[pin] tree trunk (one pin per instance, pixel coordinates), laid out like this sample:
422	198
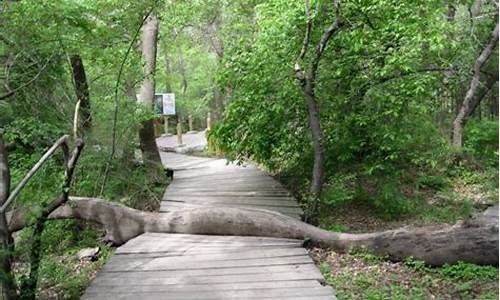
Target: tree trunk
467	104
318	172
8	288
218	104
147	93
474	240
307	82
182	71
82	91
190	123
168	74
483	92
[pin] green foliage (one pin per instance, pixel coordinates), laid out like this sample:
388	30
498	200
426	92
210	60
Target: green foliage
468	271
339	190
390	201
336	227
449	210
60	275
367	256
380	90
459	271
481	139
437	183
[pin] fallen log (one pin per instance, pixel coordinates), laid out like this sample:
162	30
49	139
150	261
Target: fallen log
474	240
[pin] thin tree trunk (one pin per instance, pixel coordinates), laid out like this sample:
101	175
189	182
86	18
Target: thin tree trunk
308	83
168	73
483	92
494	107
318	177
467	104
182	71
147	93
82	91
8	288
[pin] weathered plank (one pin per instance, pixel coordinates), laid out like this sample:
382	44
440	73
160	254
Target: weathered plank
209	287
274	293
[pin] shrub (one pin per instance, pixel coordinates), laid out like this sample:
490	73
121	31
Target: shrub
389	201
481	139
339	190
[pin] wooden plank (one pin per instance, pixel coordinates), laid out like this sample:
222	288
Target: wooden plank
227	239
253	179
265	185
169	239
156	251
114	279
149	265
168	205
274	201
241	255
213	193
209	287
226	294
213	257
296	268
159	297
277	293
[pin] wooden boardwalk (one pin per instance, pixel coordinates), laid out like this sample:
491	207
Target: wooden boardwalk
195	267
212	182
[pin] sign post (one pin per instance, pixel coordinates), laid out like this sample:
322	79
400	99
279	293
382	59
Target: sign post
165	105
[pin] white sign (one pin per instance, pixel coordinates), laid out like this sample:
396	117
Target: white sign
168	104
164	104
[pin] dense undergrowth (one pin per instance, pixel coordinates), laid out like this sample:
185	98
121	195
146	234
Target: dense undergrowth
63	275
449	186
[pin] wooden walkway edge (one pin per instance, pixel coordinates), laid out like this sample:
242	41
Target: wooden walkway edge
192	267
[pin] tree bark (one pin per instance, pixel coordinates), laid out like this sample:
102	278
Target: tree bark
147	93
474	240
467	104
8	287
490	83
82	91
168	73
307	81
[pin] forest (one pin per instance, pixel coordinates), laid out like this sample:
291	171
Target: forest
380	117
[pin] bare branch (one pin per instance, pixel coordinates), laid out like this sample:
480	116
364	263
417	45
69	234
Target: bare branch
75	119
70	170
320	48
12	92
305	44
62	142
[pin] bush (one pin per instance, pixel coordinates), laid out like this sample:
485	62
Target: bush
437	183
389	201
481	139
339	190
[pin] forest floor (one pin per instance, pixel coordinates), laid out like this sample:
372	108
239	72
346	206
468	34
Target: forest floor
366	276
